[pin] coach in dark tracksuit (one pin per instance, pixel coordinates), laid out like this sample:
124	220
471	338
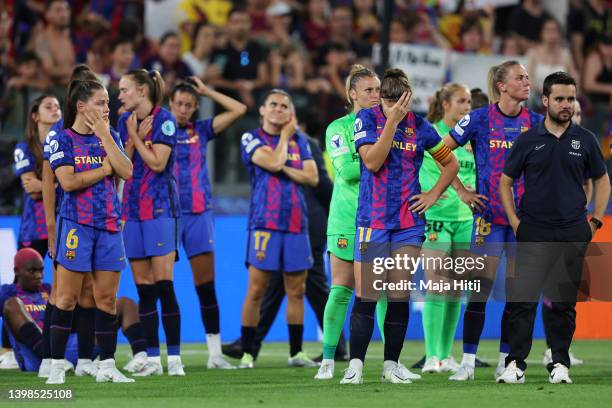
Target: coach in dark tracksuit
317	287
551	228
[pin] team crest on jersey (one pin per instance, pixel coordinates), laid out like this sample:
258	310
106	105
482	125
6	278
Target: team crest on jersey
168	128
358	125
433	237
524	129
342	243
70	255
409	132
576	144
260	255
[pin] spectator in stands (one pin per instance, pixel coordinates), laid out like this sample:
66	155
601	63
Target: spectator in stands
316	28
98	59
366	22
144	49
198	60
399	31
472	37
527	20
422	31
587	22
213	12
342	33
510	45
597	84
548	56
54	45
168	61
281	37
257	13
450	24
242	62
121	57
23	88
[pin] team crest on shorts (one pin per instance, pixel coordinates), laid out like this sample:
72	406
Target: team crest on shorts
479	241
70	254
342	243
363	247
433	237
260	255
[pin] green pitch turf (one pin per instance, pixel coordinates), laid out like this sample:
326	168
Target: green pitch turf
273	384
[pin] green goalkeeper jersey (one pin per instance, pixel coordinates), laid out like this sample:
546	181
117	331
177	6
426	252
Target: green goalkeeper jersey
451	208
340	146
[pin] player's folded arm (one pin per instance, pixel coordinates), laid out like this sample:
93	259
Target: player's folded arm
268	159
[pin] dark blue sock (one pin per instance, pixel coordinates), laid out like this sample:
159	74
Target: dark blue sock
30	335
136	337
296	334
362	326
85	329
209	308
61	324
247	338
106	333
171	316
504	346
46	331
396	323
147	310
473	322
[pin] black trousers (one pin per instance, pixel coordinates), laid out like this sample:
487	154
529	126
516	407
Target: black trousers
317	292
549	261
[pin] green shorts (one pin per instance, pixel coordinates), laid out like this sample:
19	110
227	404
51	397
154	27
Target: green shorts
342	246
442	235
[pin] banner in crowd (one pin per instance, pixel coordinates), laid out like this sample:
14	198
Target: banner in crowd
429	68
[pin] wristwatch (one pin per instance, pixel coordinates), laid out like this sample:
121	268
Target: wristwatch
596	222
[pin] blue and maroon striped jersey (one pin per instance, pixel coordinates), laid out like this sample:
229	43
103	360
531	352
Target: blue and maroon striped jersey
96	205
190	169
384	195
277	202
34	302
492	134
149	195
33	225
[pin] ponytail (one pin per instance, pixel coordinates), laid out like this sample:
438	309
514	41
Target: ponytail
152	80
78	91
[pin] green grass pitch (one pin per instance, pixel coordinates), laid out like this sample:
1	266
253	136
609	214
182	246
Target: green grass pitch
273	384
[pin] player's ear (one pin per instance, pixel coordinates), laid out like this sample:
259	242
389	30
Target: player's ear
261	110
80	105
545	101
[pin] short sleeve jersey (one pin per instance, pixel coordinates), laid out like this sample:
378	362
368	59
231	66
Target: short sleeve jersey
149	195
33	225
34	303
384	195
277	202
492	134
55	128
97	205
190	169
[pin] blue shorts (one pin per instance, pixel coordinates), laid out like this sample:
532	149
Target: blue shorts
373	243
197	233
279	251
30	362
144	239
81	248
492	239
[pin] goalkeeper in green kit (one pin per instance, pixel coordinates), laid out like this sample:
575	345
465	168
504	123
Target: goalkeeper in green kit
448	231
362	92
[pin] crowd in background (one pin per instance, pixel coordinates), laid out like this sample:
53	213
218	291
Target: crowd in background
305	47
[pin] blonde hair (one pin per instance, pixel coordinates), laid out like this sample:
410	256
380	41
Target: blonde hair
357	73
436	108
498	73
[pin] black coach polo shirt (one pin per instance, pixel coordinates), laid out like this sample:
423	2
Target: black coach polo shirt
554	170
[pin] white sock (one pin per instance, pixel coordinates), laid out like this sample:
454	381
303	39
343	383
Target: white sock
108	363
57	362
502	359
156	359
469	360
356	364
82	361
213	342
329	361
174	358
